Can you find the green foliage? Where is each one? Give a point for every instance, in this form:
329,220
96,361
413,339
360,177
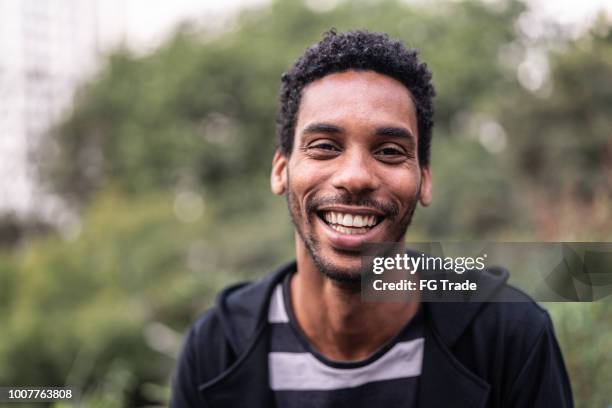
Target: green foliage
570,123
114,302
561,142
586,340
104,312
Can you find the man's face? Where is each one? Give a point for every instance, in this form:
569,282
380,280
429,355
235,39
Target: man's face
353,176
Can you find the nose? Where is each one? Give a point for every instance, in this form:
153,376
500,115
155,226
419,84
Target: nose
355,173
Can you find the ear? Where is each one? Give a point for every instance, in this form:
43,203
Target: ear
278,177
425,193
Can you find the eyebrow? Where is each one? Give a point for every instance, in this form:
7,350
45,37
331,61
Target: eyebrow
322,128
393,131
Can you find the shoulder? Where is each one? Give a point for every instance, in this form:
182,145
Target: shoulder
205,331
511,328
507,312
499,314
223,332
521,315
206,351
204,354
207,347
513,345
506,339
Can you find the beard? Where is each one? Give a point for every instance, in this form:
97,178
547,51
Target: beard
350,277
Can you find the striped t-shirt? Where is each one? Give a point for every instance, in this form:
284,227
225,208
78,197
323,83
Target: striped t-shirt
302,377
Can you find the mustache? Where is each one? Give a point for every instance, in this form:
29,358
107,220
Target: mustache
389,209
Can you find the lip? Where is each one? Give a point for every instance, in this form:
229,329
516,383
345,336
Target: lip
352,243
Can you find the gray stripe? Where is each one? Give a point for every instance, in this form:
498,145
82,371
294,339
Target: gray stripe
276,311
302,371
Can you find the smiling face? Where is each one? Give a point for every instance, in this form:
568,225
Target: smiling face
353,176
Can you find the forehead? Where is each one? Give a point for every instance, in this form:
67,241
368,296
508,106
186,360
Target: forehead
366,96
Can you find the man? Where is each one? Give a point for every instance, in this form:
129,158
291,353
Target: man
354,130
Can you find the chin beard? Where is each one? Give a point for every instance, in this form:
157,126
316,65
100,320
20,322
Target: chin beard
343,277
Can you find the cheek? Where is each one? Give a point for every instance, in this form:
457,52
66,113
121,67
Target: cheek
404,186
306,178
298,188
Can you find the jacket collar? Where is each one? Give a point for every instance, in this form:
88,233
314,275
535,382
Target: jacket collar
245,383
243,310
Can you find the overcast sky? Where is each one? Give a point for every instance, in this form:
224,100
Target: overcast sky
144,23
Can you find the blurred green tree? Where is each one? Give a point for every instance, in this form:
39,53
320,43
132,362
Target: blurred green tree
199,111
167,155
562,140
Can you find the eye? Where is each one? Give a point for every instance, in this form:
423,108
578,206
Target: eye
322,149
391,153
324,146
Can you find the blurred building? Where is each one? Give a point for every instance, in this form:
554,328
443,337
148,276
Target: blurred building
46,48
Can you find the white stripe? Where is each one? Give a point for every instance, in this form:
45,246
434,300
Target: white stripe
276,311
302,371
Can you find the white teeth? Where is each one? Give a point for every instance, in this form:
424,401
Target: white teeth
358,221
350,220
349,231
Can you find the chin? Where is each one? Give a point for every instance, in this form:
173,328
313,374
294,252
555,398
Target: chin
343,271
342,277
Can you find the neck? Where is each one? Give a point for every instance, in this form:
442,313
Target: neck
334,318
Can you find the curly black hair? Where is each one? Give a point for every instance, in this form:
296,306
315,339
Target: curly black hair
357,50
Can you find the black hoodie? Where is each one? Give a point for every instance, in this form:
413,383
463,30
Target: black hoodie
477,354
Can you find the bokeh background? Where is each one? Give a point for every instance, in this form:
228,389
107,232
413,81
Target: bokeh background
134,165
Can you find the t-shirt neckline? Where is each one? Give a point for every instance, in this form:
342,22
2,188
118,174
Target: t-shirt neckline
412,324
